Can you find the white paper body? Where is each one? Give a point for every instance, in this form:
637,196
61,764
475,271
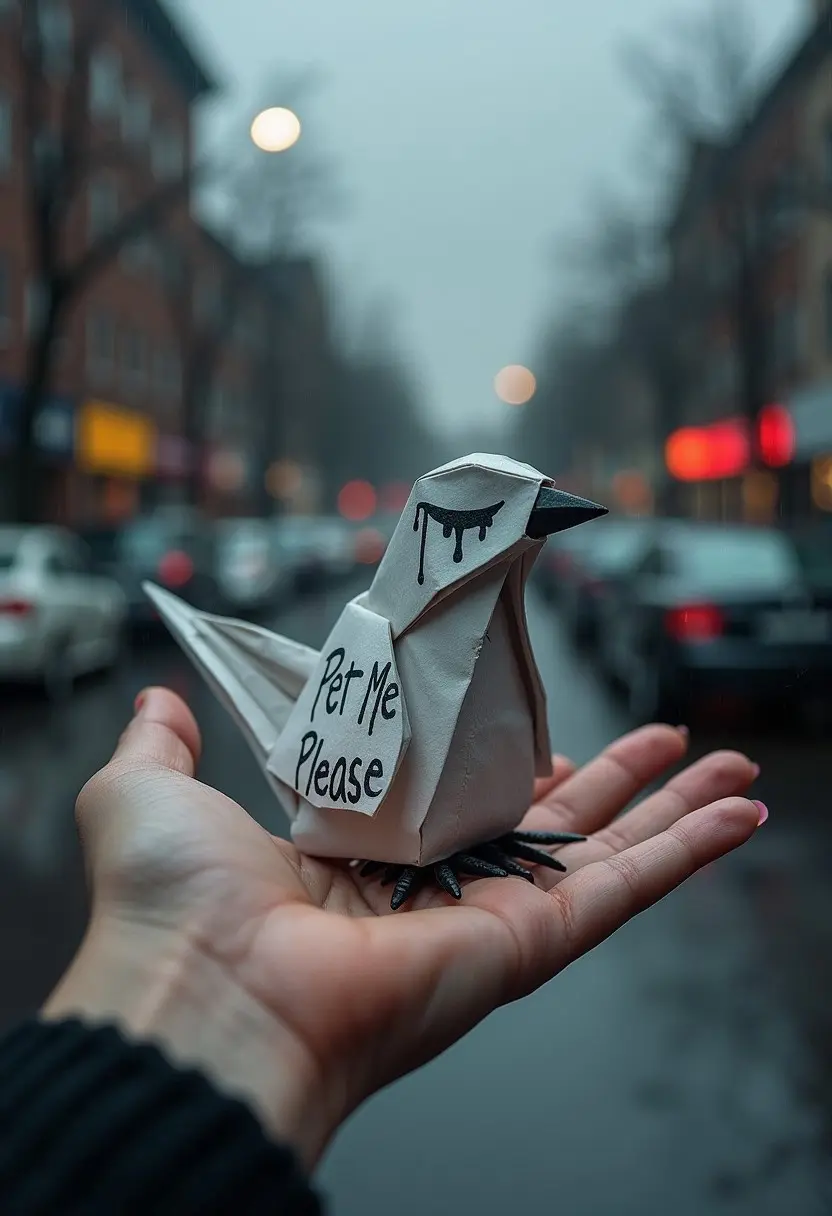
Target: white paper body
447,679
344,740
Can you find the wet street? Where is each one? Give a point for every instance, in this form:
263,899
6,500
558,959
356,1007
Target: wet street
685,1066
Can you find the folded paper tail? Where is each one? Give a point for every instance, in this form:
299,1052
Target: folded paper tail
256,674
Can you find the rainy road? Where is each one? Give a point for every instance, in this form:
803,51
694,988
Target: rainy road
685,1066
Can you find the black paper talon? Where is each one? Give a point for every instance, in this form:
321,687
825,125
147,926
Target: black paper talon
498,857
546,837
404,887
466,864
391,874
492,859
536,856
447,879
371,867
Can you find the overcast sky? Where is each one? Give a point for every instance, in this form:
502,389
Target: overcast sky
468,134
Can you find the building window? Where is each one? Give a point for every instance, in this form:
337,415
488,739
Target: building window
34,305
139,254
55,21
208,299
5,300
6,133
104,208
106,88
134,357
167,154
136,117
827,312
786,338
167,373
101,345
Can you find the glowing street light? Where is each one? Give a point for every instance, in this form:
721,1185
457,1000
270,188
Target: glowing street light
276,129
515,385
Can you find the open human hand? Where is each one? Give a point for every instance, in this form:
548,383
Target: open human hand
288,978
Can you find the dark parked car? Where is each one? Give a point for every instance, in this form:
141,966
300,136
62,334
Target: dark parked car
718,609
560,559
176,551
590,572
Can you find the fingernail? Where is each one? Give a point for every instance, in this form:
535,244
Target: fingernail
683,731
755,769
763,809
138,704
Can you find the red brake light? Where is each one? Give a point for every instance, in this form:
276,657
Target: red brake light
694,623
176,569
16,608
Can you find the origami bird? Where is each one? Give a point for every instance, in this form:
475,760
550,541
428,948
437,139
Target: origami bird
411,741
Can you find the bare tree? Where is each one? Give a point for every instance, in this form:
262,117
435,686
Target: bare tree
63,153
699,78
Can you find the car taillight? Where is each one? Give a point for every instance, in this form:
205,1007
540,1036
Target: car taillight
176,569
694,623
16,607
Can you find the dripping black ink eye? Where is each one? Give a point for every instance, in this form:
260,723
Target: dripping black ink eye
453,522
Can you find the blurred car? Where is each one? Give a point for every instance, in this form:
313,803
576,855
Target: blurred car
251,579
813,545
591,568
177,550
103,544
718,609
59,618
558,560
313,549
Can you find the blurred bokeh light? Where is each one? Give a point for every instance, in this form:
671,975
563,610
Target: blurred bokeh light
515,384
276,129
357,501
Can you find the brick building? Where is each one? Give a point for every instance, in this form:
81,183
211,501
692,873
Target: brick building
159,377
751,253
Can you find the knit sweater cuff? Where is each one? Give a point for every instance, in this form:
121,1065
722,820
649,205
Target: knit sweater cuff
95,1123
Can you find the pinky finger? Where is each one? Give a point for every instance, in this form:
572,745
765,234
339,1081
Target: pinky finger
600,897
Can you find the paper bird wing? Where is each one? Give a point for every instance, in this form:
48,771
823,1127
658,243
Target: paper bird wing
257,675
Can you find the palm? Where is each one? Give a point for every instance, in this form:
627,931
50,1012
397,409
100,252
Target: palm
404,985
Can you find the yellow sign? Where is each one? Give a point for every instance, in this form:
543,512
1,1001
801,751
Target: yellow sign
115,441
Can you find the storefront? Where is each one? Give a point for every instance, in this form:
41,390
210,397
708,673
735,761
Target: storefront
730,471
115,451
172,465
810,485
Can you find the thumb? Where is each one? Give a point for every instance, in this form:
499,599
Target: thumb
162,734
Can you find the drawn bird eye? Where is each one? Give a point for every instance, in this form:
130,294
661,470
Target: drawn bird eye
453,523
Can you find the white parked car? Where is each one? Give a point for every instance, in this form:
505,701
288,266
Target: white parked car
249,574
58,618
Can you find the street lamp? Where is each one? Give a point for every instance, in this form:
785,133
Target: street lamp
276,129
515,385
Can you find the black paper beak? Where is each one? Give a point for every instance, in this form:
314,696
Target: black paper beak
555,511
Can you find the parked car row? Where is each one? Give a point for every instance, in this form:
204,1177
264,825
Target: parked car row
676,611
69,603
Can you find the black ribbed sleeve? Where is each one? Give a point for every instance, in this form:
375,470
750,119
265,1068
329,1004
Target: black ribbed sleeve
92,1123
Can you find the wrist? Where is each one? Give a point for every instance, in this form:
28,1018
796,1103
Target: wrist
156,986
